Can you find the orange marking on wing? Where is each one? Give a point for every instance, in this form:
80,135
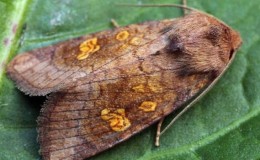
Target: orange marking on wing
139,88
88,47
148,106
117,119
135,41
123,35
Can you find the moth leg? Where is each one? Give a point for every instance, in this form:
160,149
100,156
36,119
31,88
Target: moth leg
114,23
158,133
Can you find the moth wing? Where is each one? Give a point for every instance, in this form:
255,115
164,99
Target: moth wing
56,67
93,116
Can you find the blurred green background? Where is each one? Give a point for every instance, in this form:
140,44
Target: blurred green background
222,125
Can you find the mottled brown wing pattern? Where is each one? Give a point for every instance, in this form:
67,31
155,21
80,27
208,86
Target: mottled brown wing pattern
71,124
110,85
52,68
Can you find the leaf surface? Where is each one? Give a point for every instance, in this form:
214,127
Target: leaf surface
222,125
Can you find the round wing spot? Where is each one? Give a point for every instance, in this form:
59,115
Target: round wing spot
117,119
123,35
148,106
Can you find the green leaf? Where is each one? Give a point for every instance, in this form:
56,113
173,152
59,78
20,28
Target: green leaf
222,125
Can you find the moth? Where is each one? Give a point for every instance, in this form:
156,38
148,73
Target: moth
105,87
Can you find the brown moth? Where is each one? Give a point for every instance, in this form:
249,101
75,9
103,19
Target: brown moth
107,86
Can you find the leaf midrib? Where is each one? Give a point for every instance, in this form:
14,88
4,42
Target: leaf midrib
17,16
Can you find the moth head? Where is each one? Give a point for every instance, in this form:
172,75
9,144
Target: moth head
201,43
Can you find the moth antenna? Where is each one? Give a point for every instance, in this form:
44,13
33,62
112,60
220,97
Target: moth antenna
184,3
183,6
183,111
114,23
